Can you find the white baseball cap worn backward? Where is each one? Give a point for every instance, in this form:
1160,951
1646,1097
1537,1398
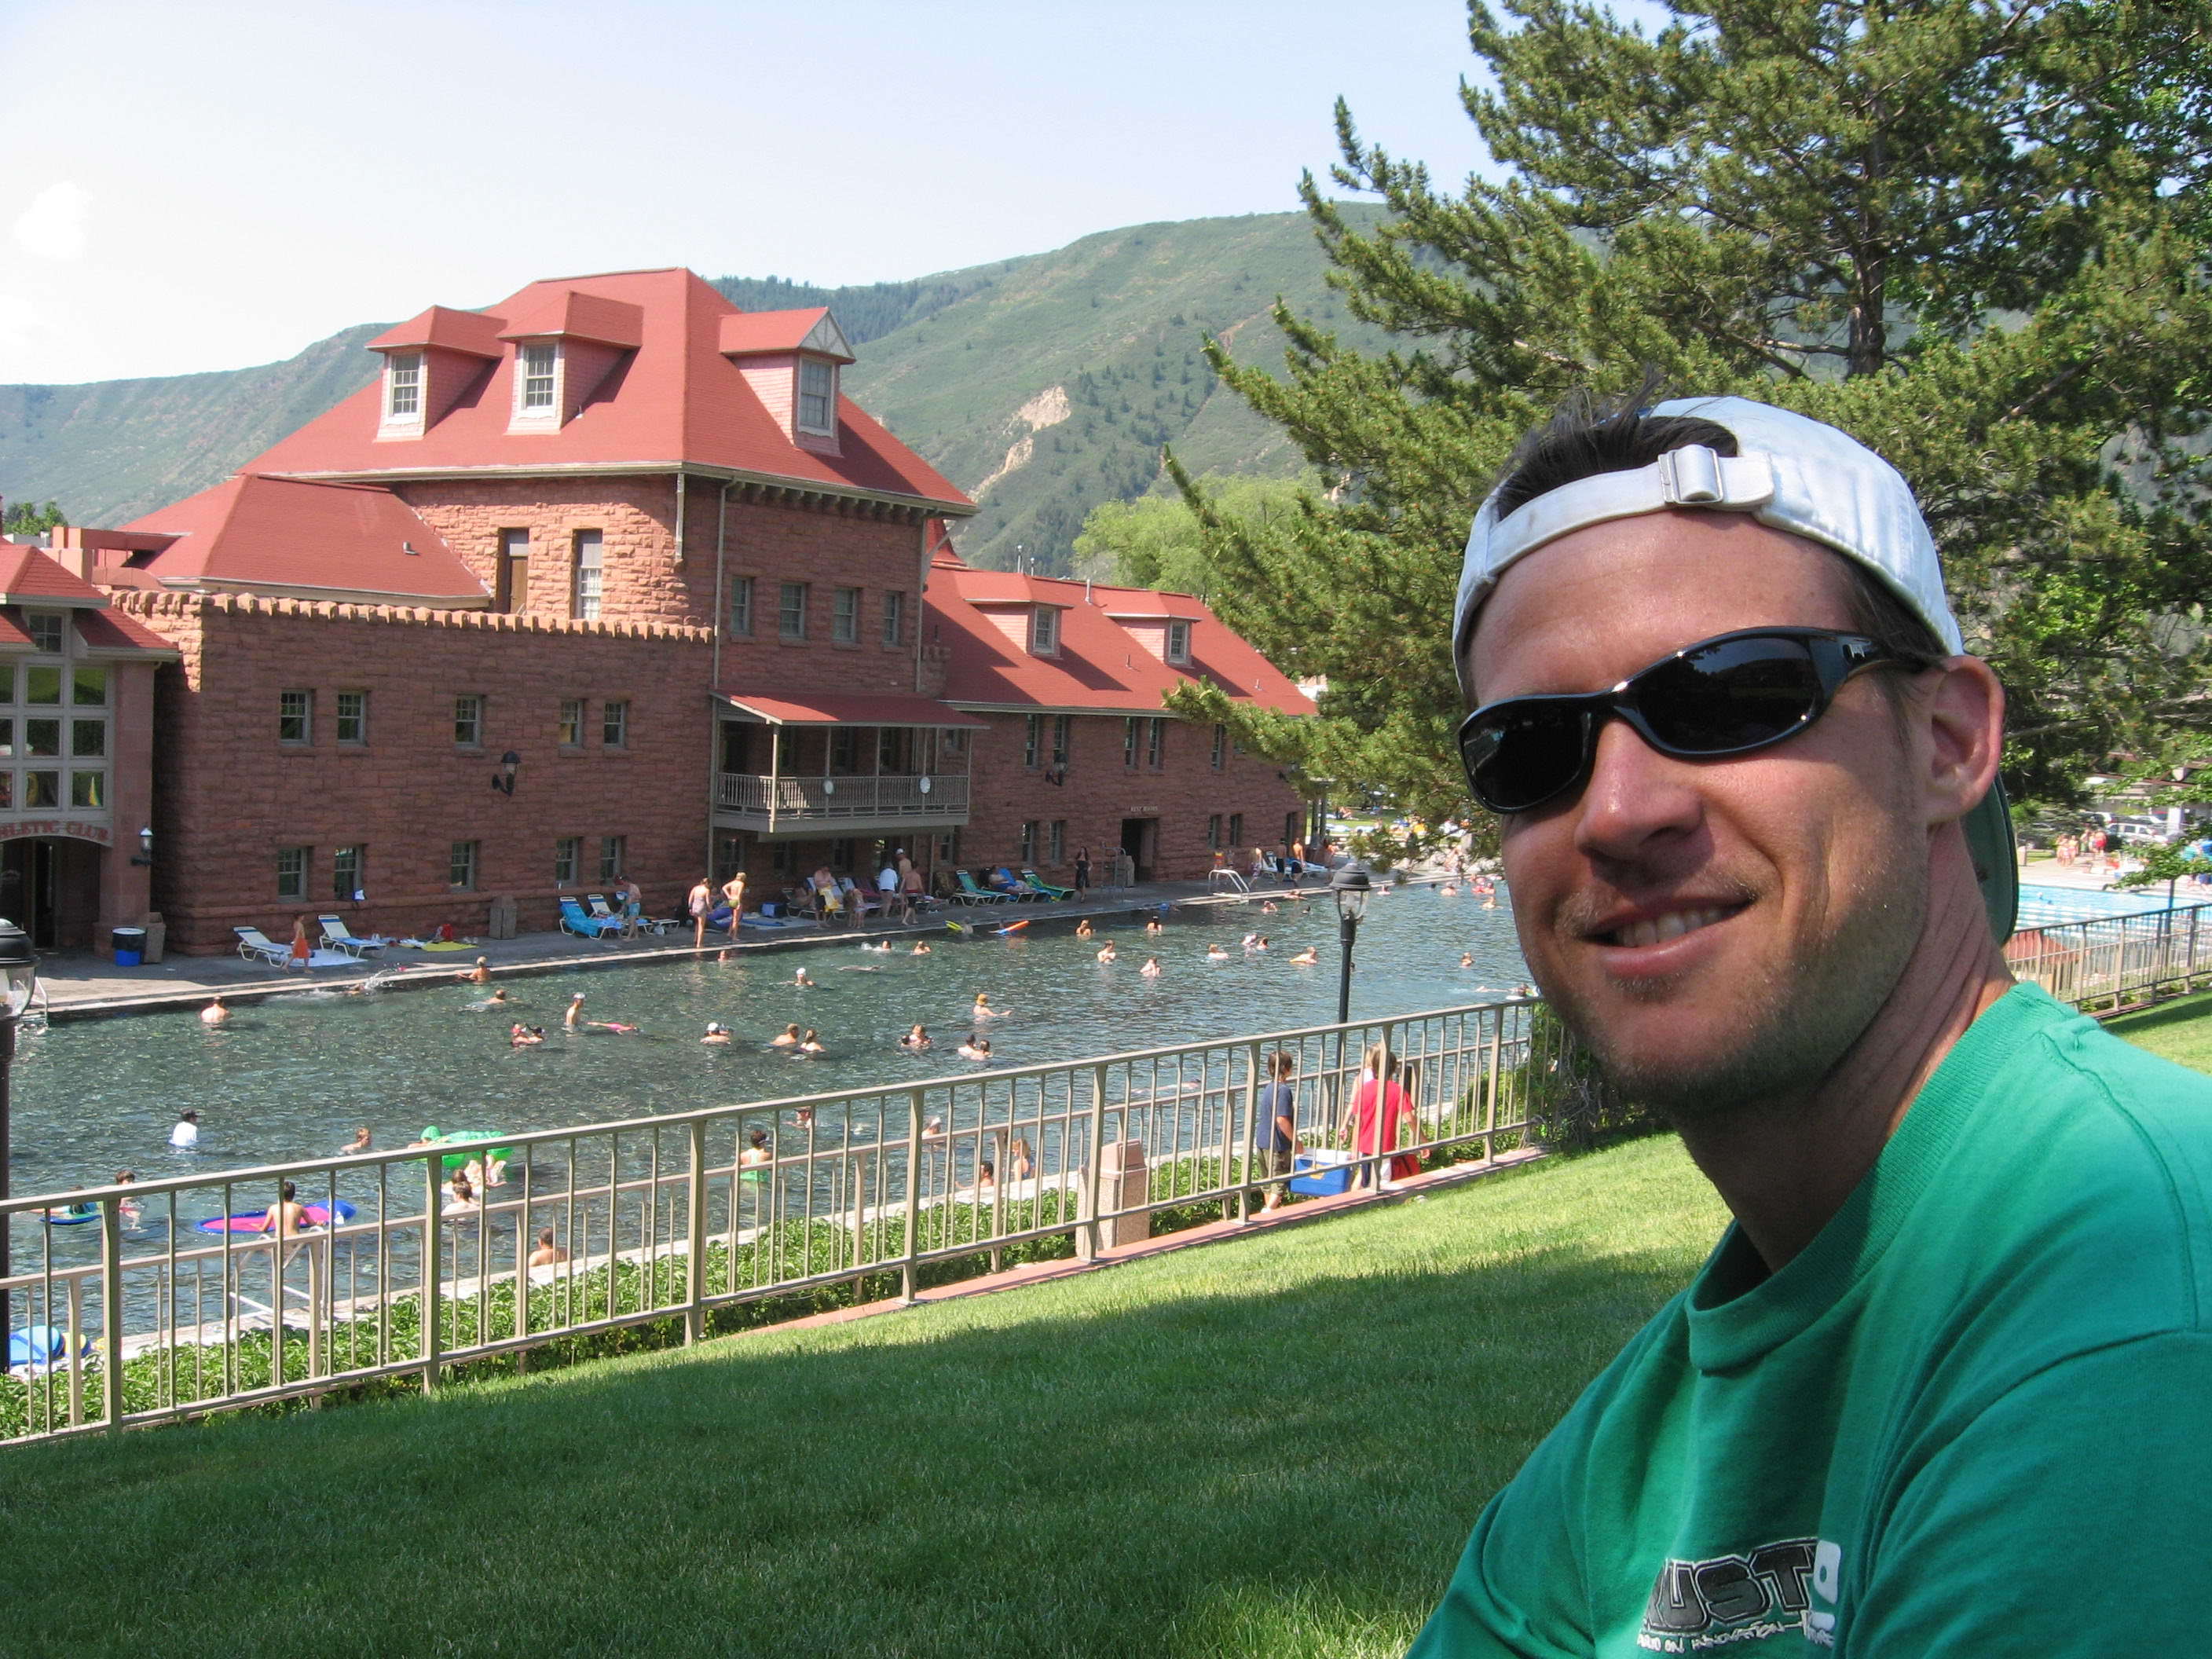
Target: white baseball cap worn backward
1792,473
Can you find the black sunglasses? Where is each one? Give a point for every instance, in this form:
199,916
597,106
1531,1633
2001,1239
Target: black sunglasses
1725,696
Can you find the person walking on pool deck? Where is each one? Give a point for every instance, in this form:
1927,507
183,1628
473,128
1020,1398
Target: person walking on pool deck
699,902
1957,1333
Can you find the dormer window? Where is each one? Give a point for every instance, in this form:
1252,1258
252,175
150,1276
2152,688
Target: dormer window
1178,651
403,386
46,630
1044,632
535,393
818,396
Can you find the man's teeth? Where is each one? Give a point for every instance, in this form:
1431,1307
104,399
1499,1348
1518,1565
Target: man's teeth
1675,923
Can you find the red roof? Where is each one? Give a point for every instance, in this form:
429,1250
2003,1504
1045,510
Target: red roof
855,710
111,630
572,314
749,332
675,400
470,331
1100,665
27,573
286,534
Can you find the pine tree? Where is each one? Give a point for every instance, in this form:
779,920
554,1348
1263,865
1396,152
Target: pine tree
1971,232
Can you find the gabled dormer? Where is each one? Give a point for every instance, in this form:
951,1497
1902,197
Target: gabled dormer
791,360
1160,631
566,345
430,361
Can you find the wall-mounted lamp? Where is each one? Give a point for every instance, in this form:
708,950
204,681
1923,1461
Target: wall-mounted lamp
145,854
503,780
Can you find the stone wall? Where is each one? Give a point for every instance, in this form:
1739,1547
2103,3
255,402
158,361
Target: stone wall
230,795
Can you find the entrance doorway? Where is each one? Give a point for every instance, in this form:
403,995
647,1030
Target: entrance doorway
50,887
1141,841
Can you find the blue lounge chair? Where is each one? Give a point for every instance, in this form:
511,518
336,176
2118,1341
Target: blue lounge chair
573,921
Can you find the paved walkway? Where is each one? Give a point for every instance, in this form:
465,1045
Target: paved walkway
80,986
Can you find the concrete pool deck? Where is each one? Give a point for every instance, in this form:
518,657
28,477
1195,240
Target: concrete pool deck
82,986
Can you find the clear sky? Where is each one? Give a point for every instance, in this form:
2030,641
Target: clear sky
204,184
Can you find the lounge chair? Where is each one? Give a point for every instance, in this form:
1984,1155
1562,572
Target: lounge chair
1046,887
339,936
573,921
970,893
255,945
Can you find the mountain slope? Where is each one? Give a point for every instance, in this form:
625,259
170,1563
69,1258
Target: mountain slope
1041,385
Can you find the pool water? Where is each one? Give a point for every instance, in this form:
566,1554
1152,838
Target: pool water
291,1077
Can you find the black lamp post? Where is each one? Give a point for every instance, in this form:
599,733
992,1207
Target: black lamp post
144,855
503,780
18,981
1349,885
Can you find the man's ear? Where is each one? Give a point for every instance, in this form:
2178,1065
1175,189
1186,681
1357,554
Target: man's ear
1964,714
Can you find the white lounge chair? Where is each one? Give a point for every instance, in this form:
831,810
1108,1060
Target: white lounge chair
339,936
253,944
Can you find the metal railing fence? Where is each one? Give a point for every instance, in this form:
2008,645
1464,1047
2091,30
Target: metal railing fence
138,1303
2116,960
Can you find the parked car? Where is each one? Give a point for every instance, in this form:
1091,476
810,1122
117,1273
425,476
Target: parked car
2138,831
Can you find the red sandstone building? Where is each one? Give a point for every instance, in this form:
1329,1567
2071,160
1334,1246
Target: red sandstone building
610,579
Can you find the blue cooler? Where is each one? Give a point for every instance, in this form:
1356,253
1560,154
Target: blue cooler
130,943
1322,1175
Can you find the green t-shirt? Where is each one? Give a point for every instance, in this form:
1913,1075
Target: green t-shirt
1973,1416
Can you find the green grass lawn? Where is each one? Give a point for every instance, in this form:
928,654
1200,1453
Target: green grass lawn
2180,1030
1273,1447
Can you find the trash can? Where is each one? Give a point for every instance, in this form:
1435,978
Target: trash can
129,946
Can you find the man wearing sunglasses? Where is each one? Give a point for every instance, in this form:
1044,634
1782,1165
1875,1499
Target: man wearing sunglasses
1939,1388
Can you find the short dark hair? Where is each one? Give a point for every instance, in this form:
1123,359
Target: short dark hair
1588,435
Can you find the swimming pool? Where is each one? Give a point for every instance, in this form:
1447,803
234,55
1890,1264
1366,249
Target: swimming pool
291,1077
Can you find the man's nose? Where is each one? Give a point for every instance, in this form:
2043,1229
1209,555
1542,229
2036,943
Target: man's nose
1634,795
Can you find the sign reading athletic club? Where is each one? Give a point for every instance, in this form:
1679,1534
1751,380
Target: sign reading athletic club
98,832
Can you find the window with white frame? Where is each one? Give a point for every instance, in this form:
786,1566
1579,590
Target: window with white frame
461,867
894,617
572,722
741,606
1130,728
1062,726
1032,738
48,632
818,396
511,591
845,616
1220,746
353,717
1178,641
1156,742
1236,829
1213,833
1044,631
295,717
539,368
292,872
349,873
791,611
468,722
403,385
1055,843
591,547
1028,843
613,857
568,853
614,725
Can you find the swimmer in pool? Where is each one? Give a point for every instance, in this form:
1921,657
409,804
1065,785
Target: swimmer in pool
1258,945
1108,953
523,1037
1467,958
1152,968
1306,958
1083,928
921,951
983,1010
214,1013
788,1038
480,973
804,1117
358,1143
1268,907
1449,887
1215,952
1152,928
916,1039
129,1209
804,979
810,1045
882,950
574,1017
1490,901
976,1048
716,1032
